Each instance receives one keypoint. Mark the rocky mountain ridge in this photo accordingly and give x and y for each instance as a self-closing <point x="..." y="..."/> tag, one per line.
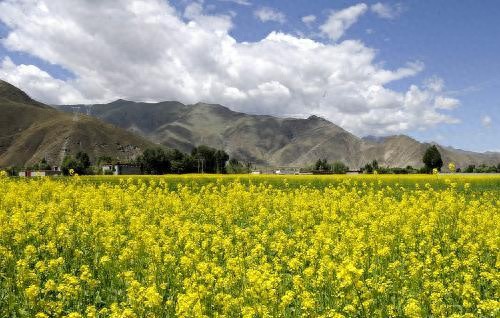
<point x="266" y="140"/>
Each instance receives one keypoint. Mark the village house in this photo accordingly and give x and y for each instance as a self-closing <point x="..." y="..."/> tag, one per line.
<point x="121" y="169"/>
<point x="56" y="171"/>
<point x="286" y="171"/>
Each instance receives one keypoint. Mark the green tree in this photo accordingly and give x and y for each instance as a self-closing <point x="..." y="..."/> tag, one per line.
<point x="221" y="157"/>
<point x="371" y="167"/>
<point x="80" y="163"/>
<point x="339" y="168"/>
<point x="204" y="156"/>
<point x="470" y="169"/>
<point x="234" y="166"/>
<point x="83" y="160"/>
<point x="42" y="165"/>
<point x="210" y="159"/>
<point x="179" y="161"/>
<point x="12" y="171"/>
<point x="368" y="168"/>
<point x="68" y="163"/>
<point x="432" y="159"/>
<point x="101" y="160"/>
<point x="154" y="161"/>
<point x="322" y="165"/>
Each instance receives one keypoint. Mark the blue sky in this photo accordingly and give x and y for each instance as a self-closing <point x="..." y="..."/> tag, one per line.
<point x="457" y="42"/>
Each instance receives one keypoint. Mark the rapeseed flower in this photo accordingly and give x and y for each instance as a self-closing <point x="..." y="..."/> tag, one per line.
<point x="368" y="246"/>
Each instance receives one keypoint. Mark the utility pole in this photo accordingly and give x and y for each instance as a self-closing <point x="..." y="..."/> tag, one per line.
<point x="202" y="161"/>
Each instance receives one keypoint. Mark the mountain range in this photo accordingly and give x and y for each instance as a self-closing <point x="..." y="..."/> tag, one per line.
<point x="31" y="131"/>
<point x="266" y="140"/>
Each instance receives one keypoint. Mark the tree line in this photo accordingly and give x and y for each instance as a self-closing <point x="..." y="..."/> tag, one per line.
<point x="202" y="159"/>
<point x="431" y="159"/>
<point x="205" y="159"/>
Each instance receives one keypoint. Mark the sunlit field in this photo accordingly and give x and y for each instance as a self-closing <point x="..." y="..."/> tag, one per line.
<point x="250" y="246"/>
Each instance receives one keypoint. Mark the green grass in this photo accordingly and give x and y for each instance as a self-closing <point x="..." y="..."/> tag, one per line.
<point x="476" y="182"/>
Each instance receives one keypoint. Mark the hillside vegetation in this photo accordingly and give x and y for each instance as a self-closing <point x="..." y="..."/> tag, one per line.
<point x="31" y="131"/>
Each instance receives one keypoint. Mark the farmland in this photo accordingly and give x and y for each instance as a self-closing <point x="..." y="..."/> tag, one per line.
<point x="250" y="246"/>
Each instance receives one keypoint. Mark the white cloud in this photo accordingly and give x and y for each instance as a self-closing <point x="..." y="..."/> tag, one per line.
<point x="162" y="54"/>
<point x="339" y="21"/>
<point x="309" y="19"/>
<point x="39" y="84"/>
<point x="266" y="14"/>
<point x="448" y="103"/>
<point x="434" y="83"/>
<point x="386" y="11"/>
<point x="486" y="121"/>
<point x="240" y="2"/>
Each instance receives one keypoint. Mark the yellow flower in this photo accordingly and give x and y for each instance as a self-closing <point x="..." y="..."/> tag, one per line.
<point x="153" y="298"/>
<point x="452" y="167"/>
<point x="412" y="309"/>
<point x="32" y="293"/>
<point x="202" y="246"/>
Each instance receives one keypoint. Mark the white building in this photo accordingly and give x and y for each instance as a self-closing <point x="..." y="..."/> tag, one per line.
<point x="40" y="173"/>
<point x="121" y="169"/>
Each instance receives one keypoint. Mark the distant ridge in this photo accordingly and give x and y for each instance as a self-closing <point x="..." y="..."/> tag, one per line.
<point x="267" y="140"/>
<point x="377" y="139"/>
<point x="31" y="131"/>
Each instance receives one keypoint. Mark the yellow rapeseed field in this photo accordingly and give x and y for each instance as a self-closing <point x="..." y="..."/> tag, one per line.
<point x="266" y="247"/>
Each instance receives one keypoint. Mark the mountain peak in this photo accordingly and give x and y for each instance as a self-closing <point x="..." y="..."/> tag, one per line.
<point x="214" y="107"/>
<point x="315" y="117"/>
<point x="121" y="101"/>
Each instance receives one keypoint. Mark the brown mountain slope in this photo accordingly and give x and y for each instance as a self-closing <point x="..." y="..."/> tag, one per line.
<point x="31" y="131"/>
<point x="266" y="140"/>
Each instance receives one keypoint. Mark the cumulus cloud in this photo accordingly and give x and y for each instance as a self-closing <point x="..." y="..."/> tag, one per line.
<point x="486" y="121"/>
<point x="266" y="14"/>
<point x="386" y="11"/>
<point x="339" y="21"/>
<point x="146" y="50"/>
<point x="38" y="83"/>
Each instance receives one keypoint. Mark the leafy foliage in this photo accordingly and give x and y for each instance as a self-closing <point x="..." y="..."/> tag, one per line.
<point x="337" y="167"/>
<point x="79" y="164"/>
<point x="211" y="159"/>
<point x="432" y="159"/>
<point x="202" y="159"/>
<point x="154" y="161"/>
<point x="235" y="166"/>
